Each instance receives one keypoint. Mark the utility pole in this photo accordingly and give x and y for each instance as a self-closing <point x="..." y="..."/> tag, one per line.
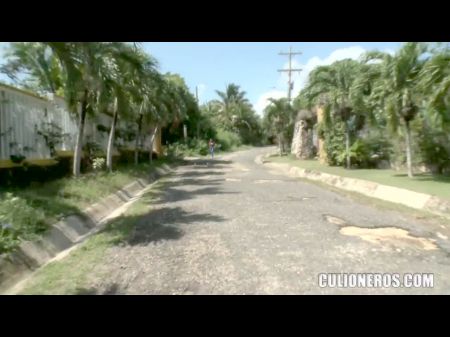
<point x="290" y="71"/>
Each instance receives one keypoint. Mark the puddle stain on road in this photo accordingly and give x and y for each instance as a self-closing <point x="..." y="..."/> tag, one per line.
<point x="390" y="235"/>
<point x="400" y="238"/>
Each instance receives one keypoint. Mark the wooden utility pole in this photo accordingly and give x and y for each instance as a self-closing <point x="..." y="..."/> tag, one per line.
<point x="290" y="71"/>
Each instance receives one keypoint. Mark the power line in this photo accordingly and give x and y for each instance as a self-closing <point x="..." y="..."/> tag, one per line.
<point x="290" y="70"/>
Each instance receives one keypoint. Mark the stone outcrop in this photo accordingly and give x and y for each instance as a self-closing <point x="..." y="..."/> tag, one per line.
<point x="302" y="141"/>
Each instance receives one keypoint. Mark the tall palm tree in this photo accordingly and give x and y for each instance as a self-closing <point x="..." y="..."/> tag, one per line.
<point x="146" y="104"/>
<point x="232" y="105"/>
<point x="278" y="115"/>
<point x="82" y="64"/>
<point x="339" y="88"/>
<point x="435" y="83"/>
<point x="123" y="68"/>
<point x="33" y="66"/>
<point x="398" y="86"/>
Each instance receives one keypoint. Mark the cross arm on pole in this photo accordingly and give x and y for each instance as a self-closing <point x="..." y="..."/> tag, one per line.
<point x="287" y="70"/>
<point x="297" y="53"/>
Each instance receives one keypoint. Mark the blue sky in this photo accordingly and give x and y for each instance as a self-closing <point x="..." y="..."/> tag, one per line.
<point x="252" y="65"/>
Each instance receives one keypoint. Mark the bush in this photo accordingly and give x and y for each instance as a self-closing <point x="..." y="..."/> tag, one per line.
<point x="127" y="156"/>
<point x="194" y="147"/>
<point x="368" y="152"/>
<point x="435" y="150"/>
<point x="178" y="150"/>
<point x="227" y="139"/>
<point x="198" y="146"/>
<point x="18" y="221"/>
<point x="334" y="143"/>
<point x="98" y="164"/>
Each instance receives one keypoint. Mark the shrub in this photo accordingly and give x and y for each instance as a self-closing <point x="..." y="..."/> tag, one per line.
<point x="227" y="139"/>
<point x="334" y="143"/>
<point x="98" y="164"/>
<point x="18" y="221"/>
<point x="365" y="152"/>
<point x="369" y="151"/>
<point x="435" y="150"/>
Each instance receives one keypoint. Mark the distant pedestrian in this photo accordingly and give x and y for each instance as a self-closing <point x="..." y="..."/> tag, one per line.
<point x="211" y="147"/>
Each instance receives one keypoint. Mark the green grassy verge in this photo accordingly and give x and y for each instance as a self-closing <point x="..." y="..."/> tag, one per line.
<point x="424" y="183"/>
<point x="72" y="274"/>
<point x="27" y="212"/>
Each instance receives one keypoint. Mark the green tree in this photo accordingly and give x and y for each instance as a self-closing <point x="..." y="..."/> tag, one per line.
<point x="435" y="84"/>
<point x="82" y="63"/>
<point x="32" y="65"/>
<point x="277" y="115"/>
<point x="398" y="90"/>
<point x="124" y="67"/>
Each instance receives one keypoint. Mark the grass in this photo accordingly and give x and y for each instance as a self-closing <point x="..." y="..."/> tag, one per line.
<point x="424" y="183"/>
<point x="72" y="274"/>
<point x="67" y="196"/>
<point x="32" y="210"/>
<point x="381" y="204"/>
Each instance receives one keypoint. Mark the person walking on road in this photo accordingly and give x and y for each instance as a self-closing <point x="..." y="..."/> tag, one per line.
<point x="211" y="147"/>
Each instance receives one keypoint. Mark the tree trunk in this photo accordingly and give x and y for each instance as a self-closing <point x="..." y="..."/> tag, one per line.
<point x="347" y="148"/>
<point x="152" y="139"/>
<point x="111" y="139"/>
<point x="79" y="141"/>
<point x="138" y="137"/>
<point x="280" y="144"/>
<point x="408" y="149"/>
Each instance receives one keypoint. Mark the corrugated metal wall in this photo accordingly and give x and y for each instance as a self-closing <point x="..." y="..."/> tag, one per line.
<point x="23" y="114"/>
<point x="20" y="119"/>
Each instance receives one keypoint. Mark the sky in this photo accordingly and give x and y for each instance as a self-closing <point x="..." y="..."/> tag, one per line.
<point x="210" y="66"/>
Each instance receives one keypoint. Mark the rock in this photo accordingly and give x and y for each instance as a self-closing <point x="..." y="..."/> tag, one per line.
<point x="302" y="142"/>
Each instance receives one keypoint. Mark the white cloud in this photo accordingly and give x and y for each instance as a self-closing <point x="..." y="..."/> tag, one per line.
<point x="263" y="100"/>
<point x="389" y="51"/>
<point x="301" y="78"/>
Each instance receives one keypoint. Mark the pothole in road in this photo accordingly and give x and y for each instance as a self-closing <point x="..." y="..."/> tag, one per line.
<point x="389" y="235"/>
<point x="397" y="237"/>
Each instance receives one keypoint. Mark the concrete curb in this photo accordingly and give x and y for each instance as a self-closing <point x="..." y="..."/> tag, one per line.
<point x="416" y="200"/>
<point x="68" y="232"/>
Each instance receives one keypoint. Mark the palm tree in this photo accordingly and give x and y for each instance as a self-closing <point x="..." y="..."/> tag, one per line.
<point x="398" y="86"/>
<point x="32" y="66"/>
<point x="278" y="115"/>
<point x="339" y="87"/>
<point x="232" y="105"/>
<point x="82" y="64"/>
<point x="435" y="83"/>
<point x="147" y="105"/>
<point x="123" y="68"/>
